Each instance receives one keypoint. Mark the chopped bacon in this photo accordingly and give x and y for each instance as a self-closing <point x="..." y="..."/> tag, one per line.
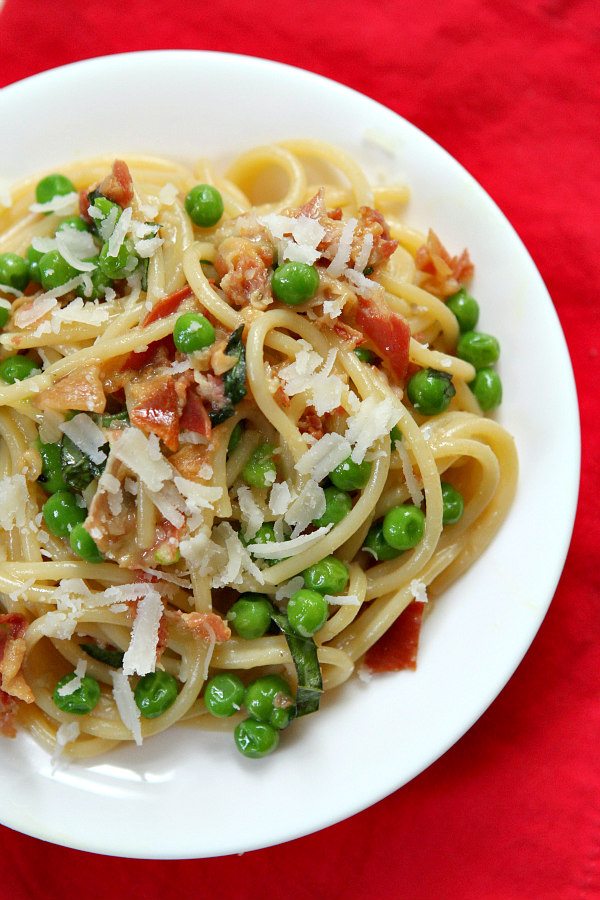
<point x="281" y="398"/>
<point x="335" y="214"/>
<point x="313" y="208"/>
<point x="189" y="459"/>
<point x="197" y="623"/>
<point x="349" y="335"/>
<point x="245" y="273"/>
<point x="371" y="221"/>
<point x="194" y="416"/>
<point x="12" y="653"/>
<point x="441" y="273"/>
<point x="311" y="423"/>
<point x="388" y="331"/>
<point x="397" y="648"/>
<point x="160" y="351"/>
<point x="8" y="712"/>
<point x="118" y="186"/>
<point x="82" y="390"/>
<point x="163" y="637"/>
<point x="168" y="305"/>
<point x="154" y="408"/>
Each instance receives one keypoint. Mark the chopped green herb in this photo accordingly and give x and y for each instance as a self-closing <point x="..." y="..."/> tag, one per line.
<point x="112" y="658"/>
<point x="78" y="469"/>
<point x="234" y="381"/>
<point x="308" y="670"/>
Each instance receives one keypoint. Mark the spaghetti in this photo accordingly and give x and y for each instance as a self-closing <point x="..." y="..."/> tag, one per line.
<point x="242" y="442"/>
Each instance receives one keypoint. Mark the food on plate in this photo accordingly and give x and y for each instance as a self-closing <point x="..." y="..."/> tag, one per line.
<point x="243" y="442"/>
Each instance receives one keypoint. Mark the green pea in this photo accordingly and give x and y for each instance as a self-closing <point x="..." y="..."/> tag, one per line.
<point x="235" y="437"/>
<point x="403" y="527"/>
<point x="14" y="271"/>
<point x="105" y="207"/>
<point x="4" y="316"/>
<point x="294" y="283"/>
<point x="255" y="739"/>
<point x="61" y="513"/>
<point x="260" y="471"/>
<point x="53" y="186"/>
<point x="430" y="391"/>
<point x="155" y="693"/>
<point x="269" y="699"/>
<point x="204" y="205"/>
<point x="82" y="700"/>
<point x="55" y="270"/>
<point x="307" y="612"/>
<point x="250" y="615"/>
<point x="377" y="546"/>
<point x="264" y="535"/>
<point x="33" y="257"/>
<point x="350" y="476"/>
<point x="487" y="388"/>
<point x="328" y="576"/>
<point x="51" y="477"/>
<point x="395" y="436"/>
<point x="224" y="695"/>
<point x="192" y="332"/>
<point x="76" y="223"/>
<point x="17" y="368"/>
<point x="480" y="349"/>
<point x="337" y="506"/>
<point x="100" y="283"/>
<point x="365" y="355"/>
<point x="465" y="308"/>
<point x="121" y="265"/>
<point x="453" y="504"/>
<point x="84" y="545"/>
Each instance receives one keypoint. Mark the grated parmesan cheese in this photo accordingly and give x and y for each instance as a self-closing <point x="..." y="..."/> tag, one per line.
<point x="76" y="247"/>
<point x="140" y="656"/>
<point x="280" y="498"/>
<point x="342" y="599"/>
<point x="416" y="494"/>
<point x="308" y="505"/>
<point x="344" y="249"/>
<point x="86" y="435"/>
<point x="324" y="455"/>
<point x="289" y="588"/>
<point x="126" y="705"/>
<point x="364" y="286"/>
<point x="65" y="734"/>
<point x="13" y="509"/>
<point x="364" y="253"/>
<point x="120" y="230"/>
<point x="252" y="515"/>
<point x="27" y="315"/>
<point x="281" y="550"/>
<point x="419" y="590"/>
<point x="75" y="683"/>
<point x="65" y="204"/>
<point x="168" y="194"/>
<point x="143" y="457"/>
<point x="373" y="420"/>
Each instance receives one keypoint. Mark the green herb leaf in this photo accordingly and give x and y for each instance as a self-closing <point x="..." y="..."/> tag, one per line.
<point x="234" y="381"/>
<point x="308" y="670"/>
<point x="112" y="658"/>
<point x="78" y="469"/>
<point x="114" y="420"/>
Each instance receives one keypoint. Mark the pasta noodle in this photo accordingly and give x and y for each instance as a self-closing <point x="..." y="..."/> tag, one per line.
<point x="257" y="383"/>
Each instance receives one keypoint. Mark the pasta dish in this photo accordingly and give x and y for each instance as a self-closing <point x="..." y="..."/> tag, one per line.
<point x="244" y="443"/>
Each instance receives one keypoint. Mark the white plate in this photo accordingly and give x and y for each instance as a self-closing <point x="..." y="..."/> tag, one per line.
<point x="369" y="739"/>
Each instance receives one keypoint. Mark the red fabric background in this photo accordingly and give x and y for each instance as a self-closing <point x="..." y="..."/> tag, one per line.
<point x="511" y="88"/>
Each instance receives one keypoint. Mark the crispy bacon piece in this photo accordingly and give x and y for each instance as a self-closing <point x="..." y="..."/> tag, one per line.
<point x="12" y="654"/>
<point x="397" y="648"/>
<point x="154" y="408"/>
<point x="281" y="398"/>
<point x="189" y="459"/>
<point x="163" y="637"/>
<point x="311" y="423"/>
<point x="8" y="712"/>
<point x="118" y="186"/>
<point x="245" y="273"/>
<point x="388" y="331"/>
<point x="194" y="416"/>
<point x="442" y="274"/>
<point x="371" y="221"/>
<point x="167" y="305"/>
<point x="207" y="625"/>
<point x="82" y="390"/>
<point x="114" y="534"/>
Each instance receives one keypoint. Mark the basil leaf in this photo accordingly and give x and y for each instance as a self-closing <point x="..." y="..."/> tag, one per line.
<point x="234" y="381"/>
<point x="308" y="669"/>
<point x="112" y="420"/>
<point x="112" y="658"/>
<point x="78" y="470"/>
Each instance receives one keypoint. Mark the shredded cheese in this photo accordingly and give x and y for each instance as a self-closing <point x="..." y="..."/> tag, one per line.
<point x="126" y="705"/>
<point x="140" y="656"/>
<point x="86" y="435"/>
<point x="140" y="455"/>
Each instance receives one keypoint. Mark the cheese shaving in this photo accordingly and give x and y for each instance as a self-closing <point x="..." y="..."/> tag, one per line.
<point x="65" y="204"/>
<point x="281" y="550"/>
<point x="325" y="454"/>
<point x="419" y="590"/>
<point x="342" y="599"/>
<point x="138" y="453"/>
<point x="120" y="231"/>
<point x="309" y="505"/>
<point x="126" y="705"/>
<point x="86" y="435"/>
<point x="280" y="498"/>
<point x="140" y="656"/>
<point x="374" y="419"/>
<point x="342" y="254"/>
<point x="13" y="509"/>
<point x="416" y="494"/>
<point x="75" y="683"/>
<point x="252" y="515"/>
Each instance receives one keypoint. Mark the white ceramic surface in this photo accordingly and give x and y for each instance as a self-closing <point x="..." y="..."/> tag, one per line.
<point x="369" y="739"/>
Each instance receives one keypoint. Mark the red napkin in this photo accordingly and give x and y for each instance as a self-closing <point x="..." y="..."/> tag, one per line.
<point x="512" y="90"/>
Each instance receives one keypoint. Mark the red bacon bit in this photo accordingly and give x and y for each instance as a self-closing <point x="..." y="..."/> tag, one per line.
<point x="163" y="637"/>
<point x="12" y="626"/>
<point x="194" y="416"/>
<point x="118" y="186"/>
<point x="82" y="390"/>
<point x="189" y="459"/>
<point x="443" y="274"/>
<point x="281" y="398"/>
<point x="371" y="220"/>
<point x="84" y="205"/>
<point x="335" y="214"/>
<point x="167" y="305"/>
<point x="8" y="712"/>
<point x="311" y="423"/>
<point x="397" y="648"/>
<point x="197" y="623"/>
<point x="388" y="331"/>
<point x="158" y="412"/>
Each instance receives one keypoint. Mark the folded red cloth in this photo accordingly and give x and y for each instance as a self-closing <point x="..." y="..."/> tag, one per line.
<point x="512" y="90"/>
